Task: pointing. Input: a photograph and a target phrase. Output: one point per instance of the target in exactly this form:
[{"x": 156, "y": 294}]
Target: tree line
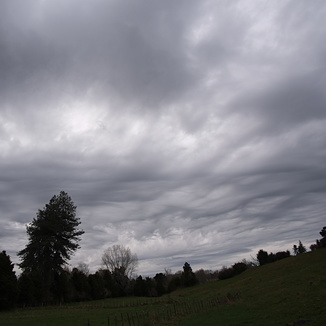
[
  {"x": 77, "y": 284},
  {"x": 53, "y": 237}
]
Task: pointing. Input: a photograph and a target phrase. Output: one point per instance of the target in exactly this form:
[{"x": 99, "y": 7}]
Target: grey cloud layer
[
  {"x": 132, "y": 51},
  {"x": 176, "y": 127}
]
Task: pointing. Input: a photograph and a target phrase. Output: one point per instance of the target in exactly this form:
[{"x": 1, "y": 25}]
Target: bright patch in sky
[{"x": 80, "y": 118}]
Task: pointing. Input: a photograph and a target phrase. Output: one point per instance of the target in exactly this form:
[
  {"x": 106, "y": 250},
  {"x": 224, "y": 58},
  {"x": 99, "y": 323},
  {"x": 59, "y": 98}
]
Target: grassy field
[{"x": 283, "y": 292}]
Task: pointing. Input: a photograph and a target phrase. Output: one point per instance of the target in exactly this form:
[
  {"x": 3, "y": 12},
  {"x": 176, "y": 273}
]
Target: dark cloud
[
  {"x": 291, "y": 102},
  {"x": 135, "y": 52}
]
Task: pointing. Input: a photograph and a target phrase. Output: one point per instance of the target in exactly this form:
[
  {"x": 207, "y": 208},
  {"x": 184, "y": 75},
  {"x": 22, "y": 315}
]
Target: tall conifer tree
[{"x": 53, "y": 237}]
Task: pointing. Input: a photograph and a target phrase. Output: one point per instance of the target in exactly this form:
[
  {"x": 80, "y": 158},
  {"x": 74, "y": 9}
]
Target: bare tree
[{"x": 119, "y": 258}]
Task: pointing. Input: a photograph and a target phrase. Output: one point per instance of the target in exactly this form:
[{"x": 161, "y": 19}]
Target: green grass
[{"x": 274, "y": 294}]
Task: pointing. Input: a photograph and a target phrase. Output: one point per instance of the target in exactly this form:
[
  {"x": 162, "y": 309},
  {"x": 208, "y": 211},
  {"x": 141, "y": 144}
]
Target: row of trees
[
  {"x": 263, "y": 257},
  {"x": 32, "y": 289},
  {"x": 53, "y": 237}
]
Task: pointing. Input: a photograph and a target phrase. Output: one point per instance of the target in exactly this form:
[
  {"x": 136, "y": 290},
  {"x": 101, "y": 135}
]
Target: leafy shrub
[{"x": 225, "y": 273}]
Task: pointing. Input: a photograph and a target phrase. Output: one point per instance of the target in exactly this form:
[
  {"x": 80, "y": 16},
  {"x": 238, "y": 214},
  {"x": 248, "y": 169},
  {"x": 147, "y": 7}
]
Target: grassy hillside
[{"x": 275, "y": 294}]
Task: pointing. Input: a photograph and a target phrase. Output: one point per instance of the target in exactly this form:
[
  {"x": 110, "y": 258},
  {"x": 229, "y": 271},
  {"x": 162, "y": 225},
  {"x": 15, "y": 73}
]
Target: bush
[
  {"x": 239, "y": 267},
  {"x": 225, "y": 273}
]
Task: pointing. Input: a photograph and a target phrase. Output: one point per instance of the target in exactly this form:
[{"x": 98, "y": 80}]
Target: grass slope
[{"x": 275, "y": 294}]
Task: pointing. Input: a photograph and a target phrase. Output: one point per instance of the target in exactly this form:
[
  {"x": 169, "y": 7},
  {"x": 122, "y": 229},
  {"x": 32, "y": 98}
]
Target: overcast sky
[{"x": 187, "y": 130}]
